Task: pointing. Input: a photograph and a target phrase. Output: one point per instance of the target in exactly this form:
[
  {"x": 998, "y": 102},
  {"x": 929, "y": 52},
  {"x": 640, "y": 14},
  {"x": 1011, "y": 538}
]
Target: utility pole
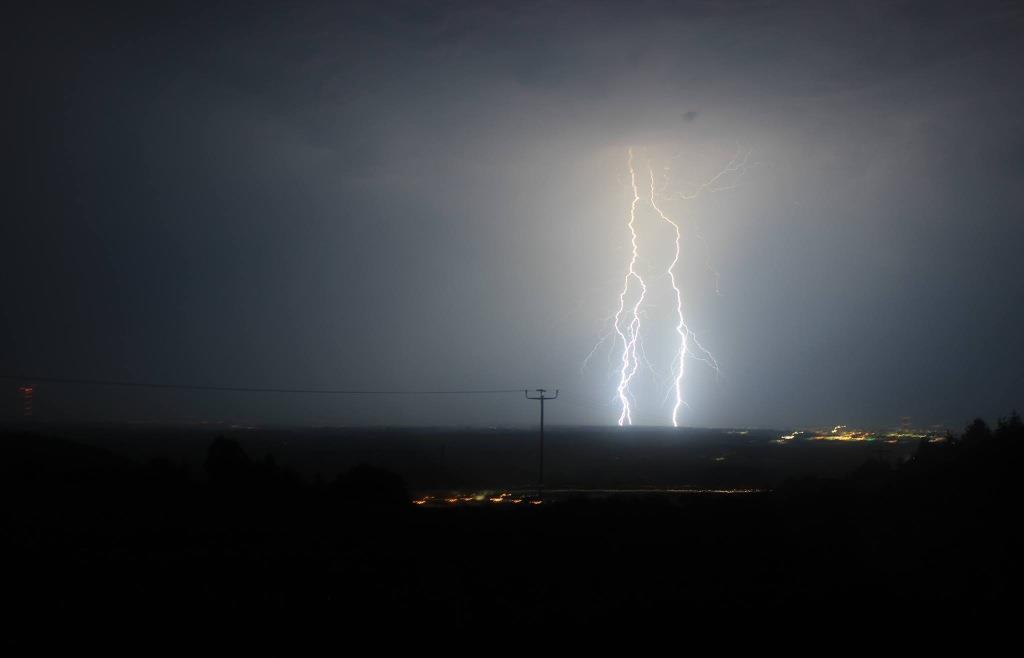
[{"x": 540, "y": 396}]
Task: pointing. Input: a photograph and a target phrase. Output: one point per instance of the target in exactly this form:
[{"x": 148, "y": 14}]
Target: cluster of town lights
[
  {"x": 843, "y": 433},
  {"x": 502, "y": 498}
]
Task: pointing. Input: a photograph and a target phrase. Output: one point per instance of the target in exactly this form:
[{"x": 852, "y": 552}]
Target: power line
[{"x": 247, "y": 389}]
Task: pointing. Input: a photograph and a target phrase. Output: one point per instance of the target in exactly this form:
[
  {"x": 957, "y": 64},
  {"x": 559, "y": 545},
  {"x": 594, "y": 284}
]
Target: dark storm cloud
[{"x": 421, "y": 195}]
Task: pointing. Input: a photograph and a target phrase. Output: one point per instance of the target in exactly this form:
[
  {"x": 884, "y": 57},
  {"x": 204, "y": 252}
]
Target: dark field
[
  {"x": 141, "y": 533},
  {"x": 575, "y": 457}
]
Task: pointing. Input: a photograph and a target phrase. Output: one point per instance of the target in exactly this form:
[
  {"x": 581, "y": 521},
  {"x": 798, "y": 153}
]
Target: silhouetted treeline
[{"x": 133, "y": 549}]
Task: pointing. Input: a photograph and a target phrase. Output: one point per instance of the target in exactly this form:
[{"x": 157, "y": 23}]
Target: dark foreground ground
[{"x": 100, "y": 548}]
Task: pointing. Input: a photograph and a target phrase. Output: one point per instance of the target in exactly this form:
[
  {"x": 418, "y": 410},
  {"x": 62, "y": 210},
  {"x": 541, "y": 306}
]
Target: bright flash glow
[{"x": 626, "y": 322}]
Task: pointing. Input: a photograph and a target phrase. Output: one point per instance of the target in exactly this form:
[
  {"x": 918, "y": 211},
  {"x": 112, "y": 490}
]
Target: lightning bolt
[
  {"x": 626, "y": 322},
  {"x": 600, "y": 341},
  {"x": 678, "y": 366},
  {"x": 631, "y": 332},
  {"x": 738, "y": 165}
]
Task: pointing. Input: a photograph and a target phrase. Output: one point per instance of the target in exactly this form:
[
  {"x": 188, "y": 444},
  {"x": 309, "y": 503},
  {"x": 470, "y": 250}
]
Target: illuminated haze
[{"x": 395, "y": 197}]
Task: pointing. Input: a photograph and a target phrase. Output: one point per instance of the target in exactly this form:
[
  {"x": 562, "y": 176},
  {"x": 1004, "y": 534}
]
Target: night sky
[{"x": 420, "y": 196}]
